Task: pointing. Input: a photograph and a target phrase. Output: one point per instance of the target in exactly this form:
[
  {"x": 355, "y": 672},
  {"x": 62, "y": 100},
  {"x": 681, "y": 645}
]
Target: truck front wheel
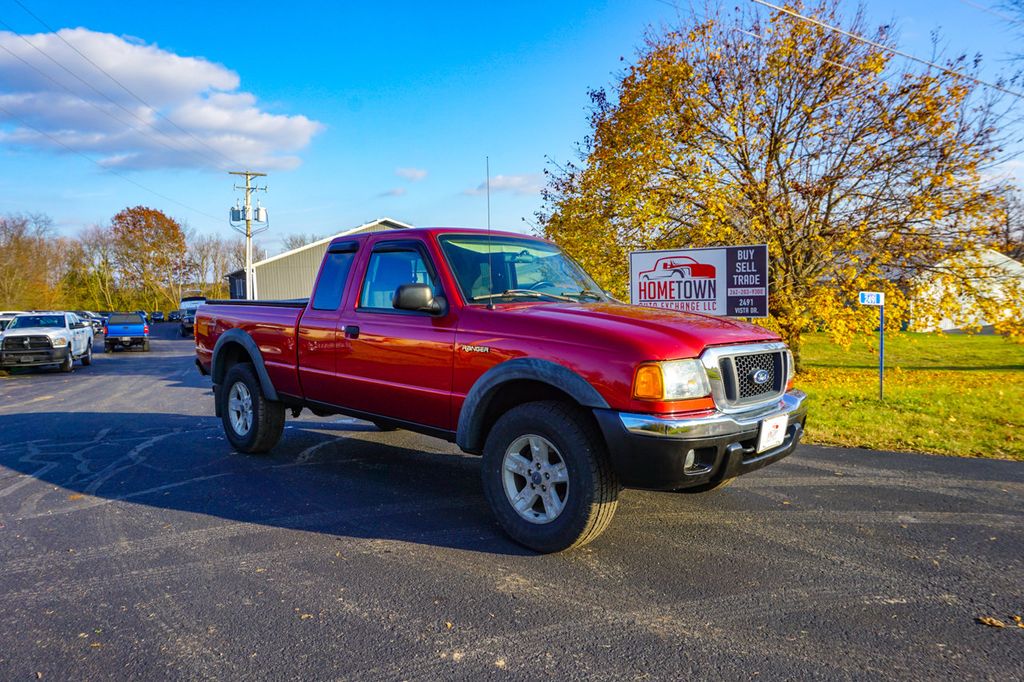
[
  {"x": 547, "y": 478},
  {"x": 252, "y": 423}
]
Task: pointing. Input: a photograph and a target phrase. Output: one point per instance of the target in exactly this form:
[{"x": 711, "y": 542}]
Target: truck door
[
  {"x": 320, "y": 340},
  {"x": 398, "y": 363},
  {"x": 77, "y": 335}
]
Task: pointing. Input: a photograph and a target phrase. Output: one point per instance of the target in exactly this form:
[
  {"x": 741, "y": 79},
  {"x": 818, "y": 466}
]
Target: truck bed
[{"x": 272, "y": 325}]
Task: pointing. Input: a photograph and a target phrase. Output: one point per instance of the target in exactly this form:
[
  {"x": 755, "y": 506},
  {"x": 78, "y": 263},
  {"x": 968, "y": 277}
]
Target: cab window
[
  {"x": 332, "y": 281},
  {"x": 390, "y": 268}
]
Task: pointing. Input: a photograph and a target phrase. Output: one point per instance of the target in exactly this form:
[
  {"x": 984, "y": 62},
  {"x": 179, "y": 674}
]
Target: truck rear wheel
[
  {"x": 252, "y": 423},
  {"x": 547, "y": 478}
]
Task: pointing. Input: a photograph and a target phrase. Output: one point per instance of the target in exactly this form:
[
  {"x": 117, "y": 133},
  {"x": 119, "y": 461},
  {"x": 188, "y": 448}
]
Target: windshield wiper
[
  {"x": 585, "y": 293},
  {"x": 522, "y": 292}
]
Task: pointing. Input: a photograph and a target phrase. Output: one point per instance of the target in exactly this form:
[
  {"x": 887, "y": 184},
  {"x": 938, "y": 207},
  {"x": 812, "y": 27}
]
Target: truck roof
[{"x": 435, "y": 231}]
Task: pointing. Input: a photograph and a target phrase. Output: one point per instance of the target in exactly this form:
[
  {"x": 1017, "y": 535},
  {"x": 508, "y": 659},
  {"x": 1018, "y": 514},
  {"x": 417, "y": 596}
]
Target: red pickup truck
[{"x": 502, "y": 344}]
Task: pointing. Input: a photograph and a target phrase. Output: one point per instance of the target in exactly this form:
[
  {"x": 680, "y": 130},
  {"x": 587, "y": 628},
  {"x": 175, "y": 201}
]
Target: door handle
[{"x": 352, "y": 331}]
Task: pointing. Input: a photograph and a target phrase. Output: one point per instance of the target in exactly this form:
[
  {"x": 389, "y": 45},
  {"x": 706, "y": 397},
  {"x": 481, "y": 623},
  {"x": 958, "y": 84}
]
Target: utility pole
[{"x": 238, "y": 215}]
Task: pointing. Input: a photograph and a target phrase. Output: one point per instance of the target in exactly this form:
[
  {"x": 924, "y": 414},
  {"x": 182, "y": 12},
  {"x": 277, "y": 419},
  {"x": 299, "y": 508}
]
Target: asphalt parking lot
[{"x": 135, "y": 544}]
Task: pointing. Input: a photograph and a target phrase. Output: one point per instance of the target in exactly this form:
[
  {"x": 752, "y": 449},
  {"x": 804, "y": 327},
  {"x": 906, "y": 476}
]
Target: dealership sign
[{"x": 728, "y": 281}]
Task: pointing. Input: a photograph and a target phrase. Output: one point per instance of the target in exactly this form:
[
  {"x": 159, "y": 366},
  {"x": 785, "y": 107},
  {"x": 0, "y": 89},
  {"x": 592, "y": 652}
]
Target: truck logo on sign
[
  {"x": 726, "y": 280},
  {"x": 760, "y": 376}
]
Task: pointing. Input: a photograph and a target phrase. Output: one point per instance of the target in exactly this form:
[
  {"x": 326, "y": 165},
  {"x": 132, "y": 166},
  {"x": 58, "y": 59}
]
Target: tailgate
[{"x": 125, "y": 330}]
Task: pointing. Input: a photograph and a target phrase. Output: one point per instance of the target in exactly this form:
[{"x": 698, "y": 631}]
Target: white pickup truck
[{"x": 50, "y": 338}]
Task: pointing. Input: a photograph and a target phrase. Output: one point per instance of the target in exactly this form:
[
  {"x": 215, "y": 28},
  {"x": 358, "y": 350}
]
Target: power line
[
  {"x": 96, "y": 90},
  {"x": 886, "y": 48},
  {"x": 89, "y": 102},
  {"x": 122, "y": 85},
  {"x": 989, "y": 10},
  {"x": 109, "y": 170}
]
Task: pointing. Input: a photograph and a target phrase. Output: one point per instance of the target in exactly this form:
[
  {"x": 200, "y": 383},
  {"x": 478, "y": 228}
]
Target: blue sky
[{"x": 358, "y": 110}]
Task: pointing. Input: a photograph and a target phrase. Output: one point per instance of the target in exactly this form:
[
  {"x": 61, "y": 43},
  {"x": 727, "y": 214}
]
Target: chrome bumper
[{"x": 717, "y": 424}]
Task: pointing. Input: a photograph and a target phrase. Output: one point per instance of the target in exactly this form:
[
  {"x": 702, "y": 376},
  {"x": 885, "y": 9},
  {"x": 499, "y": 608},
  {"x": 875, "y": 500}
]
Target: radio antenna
[{"x": 490, "y": 260}]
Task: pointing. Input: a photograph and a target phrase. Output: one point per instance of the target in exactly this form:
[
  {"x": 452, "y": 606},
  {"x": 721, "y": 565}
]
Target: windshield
[
  {"x": 507, "y": 268},
  {"x": 29, "y": 321}
]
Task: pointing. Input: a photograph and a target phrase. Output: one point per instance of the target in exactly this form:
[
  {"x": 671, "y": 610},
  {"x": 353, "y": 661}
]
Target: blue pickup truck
[{"x": 125, "y": 330}]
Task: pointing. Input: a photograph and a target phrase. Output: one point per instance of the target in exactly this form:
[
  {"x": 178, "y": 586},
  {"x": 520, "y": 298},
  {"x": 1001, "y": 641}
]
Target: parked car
[
  {"x": 174, "y": 316},
  {"x": 126, "y": 330},
  {"x": 6, "y": 316},
  {"x": 50, "y": 338},
  {"x": 92, "y": 318},
  {"x": 502, "y": 344},
  {"x": 186, "y": 327},
  {"x": 156, "y": 316}
]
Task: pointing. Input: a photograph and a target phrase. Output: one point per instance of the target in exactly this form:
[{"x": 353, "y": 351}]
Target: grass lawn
[{"x": 944, "y": 394}]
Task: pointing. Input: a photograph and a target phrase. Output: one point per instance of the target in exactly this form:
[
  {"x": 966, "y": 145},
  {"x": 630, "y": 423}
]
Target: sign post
[{"x": 877, "y": 298}]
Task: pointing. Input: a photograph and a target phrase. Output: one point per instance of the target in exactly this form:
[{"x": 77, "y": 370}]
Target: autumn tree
[
  {"x": 296, "y": 241},
  {"x": 858, "y": 171},
  {"x": 28, "y": 259},
  {"x": 211, "y": 258},
  {"x": 1010, "y": 234},
  {"x": 237, "y": 247},
  {"x": 149, "y": 252}
]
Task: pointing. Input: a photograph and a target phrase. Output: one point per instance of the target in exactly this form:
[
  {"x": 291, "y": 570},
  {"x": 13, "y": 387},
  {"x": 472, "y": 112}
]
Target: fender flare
[
  {"x": 470, "y": 434},
  {"x": 217, "y": 371}
]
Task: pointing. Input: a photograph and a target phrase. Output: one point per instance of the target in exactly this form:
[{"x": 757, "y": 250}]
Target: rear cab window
[{"x": 330, "y": 288}]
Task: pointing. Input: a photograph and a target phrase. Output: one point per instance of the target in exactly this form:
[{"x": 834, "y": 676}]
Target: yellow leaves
[{"x": 990, "y": 621}]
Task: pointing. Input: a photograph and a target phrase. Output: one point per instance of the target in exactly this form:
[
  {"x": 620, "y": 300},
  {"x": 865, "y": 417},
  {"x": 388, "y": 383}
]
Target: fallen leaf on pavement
[
  {"x": 306, "y": 616},
  {"x": 75, "y": 496},
  {"x": 991, "y": 622}
]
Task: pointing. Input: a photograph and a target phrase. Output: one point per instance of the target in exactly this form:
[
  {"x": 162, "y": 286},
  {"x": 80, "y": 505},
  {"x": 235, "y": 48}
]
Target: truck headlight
[
  {"x": 790, "y": 369},
  {"x": 673, "y": 380},
  {"x": 59, "y": 342}
]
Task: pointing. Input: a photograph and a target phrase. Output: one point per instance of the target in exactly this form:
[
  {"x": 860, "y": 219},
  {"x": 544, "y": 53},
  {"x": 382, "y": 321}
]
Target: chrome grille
[
  {"x": 26, "y": 342},
  {"x": 731, "y": 370},
  {"x": 747, "y": 367}
]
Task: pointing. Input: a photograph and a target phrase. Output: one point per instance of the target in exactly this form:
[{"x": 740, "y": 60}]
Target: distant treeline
[{"x": 142, "y": 260}]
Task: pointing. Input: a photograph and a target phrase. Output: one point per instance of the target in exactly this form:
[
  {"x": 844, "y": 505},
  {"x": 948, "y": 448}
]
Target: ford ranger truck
[{"x": 502, "y": 344}]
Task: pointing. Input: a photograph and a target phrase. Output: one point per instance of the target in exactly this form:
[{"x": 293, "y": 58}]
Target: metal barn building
[{"x": 291, "y": 274}]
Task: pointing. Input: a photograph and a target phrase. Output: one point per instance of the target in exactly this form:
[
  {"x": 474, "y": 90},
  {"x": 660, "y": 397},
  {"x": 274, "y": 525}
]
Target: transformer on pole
[{"x": 238, "y": 215}]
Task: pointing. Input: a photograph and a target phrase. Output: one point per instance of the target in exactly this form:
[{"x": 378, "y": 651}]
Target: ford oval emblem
[{"x": 760, "y": 376}]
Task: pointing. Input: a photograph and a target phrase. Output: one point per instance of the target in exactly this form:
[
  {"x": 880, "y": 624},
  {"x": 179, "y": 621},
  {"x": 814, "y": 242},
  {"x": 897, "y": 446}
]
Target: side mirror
[
  {"x": 78, "y": 325},
  {"x": 419, "y": 298}
]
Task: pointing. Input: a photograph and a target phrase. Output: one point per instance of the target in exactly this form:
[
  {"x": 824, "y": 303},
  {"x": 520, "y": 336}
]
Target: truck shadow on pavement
[{"x": 339, "y": 477}]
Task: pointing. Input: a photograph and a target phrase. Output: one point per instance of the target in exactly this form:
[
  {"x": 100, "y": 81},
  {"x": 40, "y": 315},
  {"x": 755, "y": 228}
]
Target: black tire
[
  {"x": 709, "y": 487},
  {"x": 267, "y": 415},
  {"x": 87, "y": 358},
  {"x": 107, "y": 348},
  {"x": 69, "y": 362},
  {"x": 145, "y": 346},
  {"x": 592, "y": 490}
]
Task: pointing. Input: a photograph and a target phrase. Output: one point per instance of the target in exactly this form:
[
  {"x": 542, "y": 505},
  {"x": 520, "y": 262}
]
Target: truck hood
[
  {"x": 37, "y": 331},
  {"x": 657, "y": 333}
]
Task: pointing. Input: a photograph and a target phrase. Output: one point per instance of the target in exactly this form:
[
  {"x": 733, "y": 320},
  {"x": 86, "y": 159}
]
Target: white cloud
[
  {"x": 214, "y": 124},
  {"x": 529, "y": 183},
  {"x": 396, "y": 192},
  {"x": 411, "y": 174}
]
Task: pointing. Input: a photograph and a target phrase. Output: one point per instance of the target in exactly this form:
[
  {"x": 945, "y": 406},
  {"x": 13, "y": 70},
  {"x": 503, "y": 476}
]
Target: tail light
[
  {"x": 106, "y": 330},
  {"x": 145, "y": 329}
]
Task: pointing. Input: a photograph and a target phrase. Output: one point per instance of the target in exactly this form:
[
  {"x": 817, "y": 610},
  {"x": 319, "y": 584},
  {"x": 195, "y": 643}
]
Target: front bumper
[
  {"x": 34, "y": 357},
  {"x": 647, "y": 451}
]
